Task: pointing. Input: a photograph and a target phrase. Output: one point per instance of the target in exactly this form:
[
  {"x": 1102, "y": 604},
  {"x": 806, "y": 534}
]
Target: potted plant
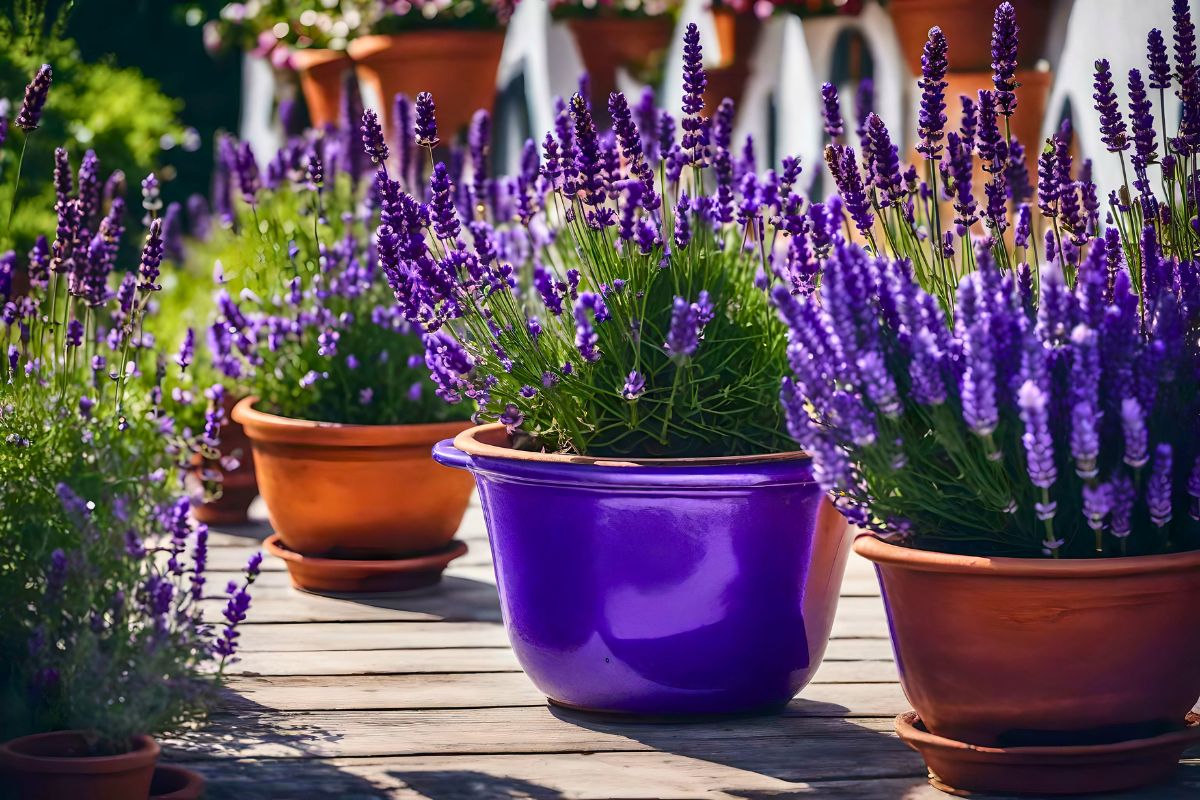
[
  {"x": 660, "y": 547},
  {"x": 1023, "y": 444},
  {"x": 339, "y": 409},
  {"x": 632, "y": 36},
  {"x": 451, "y": 49},
  {"x": 102, "y": 572}
]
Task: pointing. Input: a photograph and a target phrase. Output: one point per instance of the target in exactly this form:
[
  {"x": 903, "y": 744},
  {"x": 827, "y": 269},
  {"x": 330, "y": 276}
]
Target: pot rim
[
  {"x": 145, "y": 751},
  {"x": 308, "y": 57},
  {"x": 471, "y": 443},
  {"x": 375, "y": 45},
  {"x": 881, "y": 553},
  {"x": 262, "y": 426}
]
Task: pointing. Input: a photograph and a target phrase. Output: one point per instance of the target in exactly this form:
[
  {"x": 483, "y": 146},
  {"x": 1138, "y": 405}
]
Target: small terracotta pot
[
  {"x": 737, "y": 36},
  {"x": 51, "y": 765},
  {"x": 457, "y": 67},
  {"x": 355, "y": 491},
  {"x": 968, "y": 28},
  {"x": 176, "y": 783},
  {"x": 239, "y": 487},
  {"x": 606, "y": 44},
  {"x": 1009, "y": 652},
  {"x": 321, "y": 74}
]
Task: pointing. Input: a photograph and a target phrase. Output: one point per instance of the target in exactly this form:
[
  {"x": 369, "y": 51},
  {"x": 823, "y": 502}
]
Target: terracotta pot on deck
[
  {"x": 239, "y": 486},
  {"x": 1020, "y": 654},
  {"x": 606, "y": 44},
  {"x": 348, "y": 493},
  {"x": 55, "y": 765},
  {"x": 968, "y": 28},
  {"x": 458, "y": 67},
  {"x": 176, "y": 783},
  {"x": 737, "y": 36},
  {"x": 321, "y": 74}
]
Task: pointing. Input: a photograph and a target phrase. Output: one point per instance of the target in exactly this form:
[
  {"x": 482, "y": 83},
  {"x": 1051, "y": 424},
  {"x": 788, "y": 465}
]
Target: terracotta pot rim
[
  {"x": 473, "y": 442},
  {"x": 906, "y": 728},
  {"x": 875, "y": 550},
  {"x": 377, "y": 45},
  {"x": 266, "y": 427},
  {"x": 307, "y": 57},
  {"x": 145, "y": 751},
  {"x": 455, "y": 548}
]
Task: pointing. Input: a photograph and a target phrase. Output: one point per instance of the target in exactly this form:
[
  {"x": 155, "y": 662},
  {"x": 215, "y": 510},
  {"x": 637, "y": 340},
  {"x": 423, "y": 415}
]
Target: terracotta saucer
[
  {"x": 362, "y": 576},
  {"x": 176, "y": 783},
  {"x": 960, "y": 769}
]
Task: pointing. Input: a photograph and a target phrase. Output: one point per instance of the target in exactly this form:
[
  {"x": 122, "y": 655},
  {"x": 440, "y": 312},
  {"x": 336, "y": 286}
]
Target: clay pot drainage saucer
[
  {"x": 960, "y": 768},
  {"x": 360, "y": 576}
]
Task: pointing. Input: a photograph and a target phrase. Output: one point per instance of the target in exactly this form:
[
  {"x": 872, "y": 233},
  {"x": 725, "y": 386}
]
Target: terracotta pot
[
  {"x": 355, "y": 491},
  {"x": 1009, "y": 652},
  {"x": 457, "y": 67},
  {"x": 239, "y": 487},
  {"x": 51, "y": 765},
  {"x": 737, "y": 36},
  {"x": 968, "y": 27},
  {"x": 321, "y": 74},
  {"x": 607, "y": 44},
  {"x": 176, "y": 783}
]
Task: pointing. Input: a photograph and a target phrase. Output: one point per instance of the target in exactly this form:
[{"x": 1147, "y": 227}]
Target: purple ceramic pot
[{"x": 659, "y": 587}]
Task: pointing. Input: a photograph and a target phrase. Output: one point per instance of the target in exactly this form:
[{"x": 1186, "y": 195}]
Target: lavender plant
[
  {"x": 303, "y": 318},
  {"x": 611, "y": 299},
  {"x": 969, "y": 394},
  {"x": 101, "y": 569}
]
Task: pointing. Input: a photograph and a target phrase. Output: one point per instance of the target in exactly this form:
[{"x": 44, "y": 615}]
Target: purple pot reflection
[{"x": 661, "y": 586}]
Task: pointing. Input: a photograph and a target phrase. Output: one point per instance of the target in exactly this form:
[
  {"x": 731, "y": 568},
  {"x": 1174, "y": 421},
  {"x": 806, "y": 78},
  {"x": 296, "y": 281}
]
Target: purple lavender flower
[
  {"x": 479, "y": 141},
  {"x": 831, "y": 112},
  {"x": 1141, "y": 119},
  {"x": 843, "y": 164},
  {"x": 1158, "y": 489},
  {"x": 683, "y": 224},
  {"x": 248, "y": 180},
  {"x": 426, "y": 127},
  {"x": 684, "y": 335},
  {"x": 635, "y": 386},
  {"x": 884, "y": 162},
  {"x": 1004, "y": 58},
  {"x": 1133, "y": 424},
  {"x": 1112, "y": 125},
  {"x": 442, "y": 212},
  {"x": 1158, "y": 68},
  {"x": 587, "y": 152},
  {"x": 372, "y": 139},
  {"x": 30, "y": 115},
  {"x": 1039, "y": 445},
  {"x": 1185, "y": 40},
  {"x": 586, "y": 338},
  {"x": 152, "y": 255},
  {"x": 695, "y": 135},
  {"x": 931, "y": 119}
]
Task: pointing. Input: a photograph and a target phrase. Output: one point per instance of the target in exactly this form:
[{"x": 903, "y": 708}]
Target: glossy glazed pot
[
  {"x": 606, "y": 44},
  {"x": 659, "y": 587},
  {"x": 321, "y": 75},
  {"x": 1007, "y": 652},
  {"x": 968, "y": 28},
  {"x": 458, "y": 67},
  {"x": 355, "y": 491},
  {"x": 53, "y": 765},
  {"x": 239, "y": 486}
]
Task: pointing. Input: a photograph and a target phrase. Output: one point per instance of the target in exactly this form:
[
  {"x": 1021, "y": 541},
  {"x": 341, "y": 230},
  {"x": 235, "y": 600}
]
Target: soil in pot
[
  {"x": 725, "y": 609},
  {"x": 1011, "y": 652},
  {"x": 56, "y": 765}
]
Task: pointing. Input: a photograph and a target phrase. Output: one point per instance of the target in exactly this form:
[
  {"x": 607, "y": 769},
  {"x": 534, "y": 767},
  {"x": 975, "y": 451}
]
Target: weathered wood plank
[
  {"x": 478, "y": 660},
  {"x": 576, "y": 776},
  {"x": 495, "y": 690},
  {"x": 810, "y": 746}
]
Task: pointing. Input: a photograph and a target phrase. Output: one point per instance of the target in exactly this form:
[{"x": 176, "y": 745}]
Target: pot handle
[{"x": 444, "y": 452}]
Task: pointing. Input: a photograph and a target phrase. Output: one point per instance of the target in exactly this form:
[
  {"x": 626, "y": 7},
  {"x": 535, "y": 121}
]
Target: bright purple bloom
[
  {"x": 1158, "y": 489},
  {"x": 372, "y": 138},
  {"x": 635, "y": 386},
  {"x": 1004, "y": 58},
  {"x": 426, "y": 127},
  {"x": 30, "y": 115},
  {"x": 831, "y": 112},
  {"x": 931, "y": 118},
  {"x": 1158, "y": 67},
  {"x": 1112, "y": 125},
  {"x": 695, "y": 133}
]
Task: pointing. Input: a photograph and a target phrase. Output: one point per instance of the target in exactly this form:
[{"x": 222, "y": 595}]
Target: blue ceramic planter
[{"x": 659, "y": 587}]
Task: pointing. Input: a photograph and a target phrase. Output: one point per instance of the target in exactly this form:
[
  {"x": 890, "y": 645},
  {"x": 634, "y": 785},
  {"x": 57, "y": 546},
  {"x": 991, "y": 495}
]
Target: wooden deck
[{"x": 420, "y": 697}]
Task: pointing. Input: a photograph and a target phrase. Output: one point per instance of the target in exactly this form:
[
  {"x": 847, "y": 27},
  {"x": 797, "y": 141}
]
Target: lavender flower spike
[
  {"x": 372, "y": 138},
  {"x": 1158, "y": 68},
  {"x": 1004, "y": 58},
  {"x": 152, "y": 255},
  {"x": 1158, "y": 489},
  {"x": 30, "y": 115},
  {"x": 427, "y": 134},
  {"x": 832, "y": 112},
  {"x": 1112, "y": 125},
  {"x": 684, "y": 335},
  {"x": 931, "y": 119},
  {"x": 695, "y": 133},
  {"x": 1039, "y": 445}
]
